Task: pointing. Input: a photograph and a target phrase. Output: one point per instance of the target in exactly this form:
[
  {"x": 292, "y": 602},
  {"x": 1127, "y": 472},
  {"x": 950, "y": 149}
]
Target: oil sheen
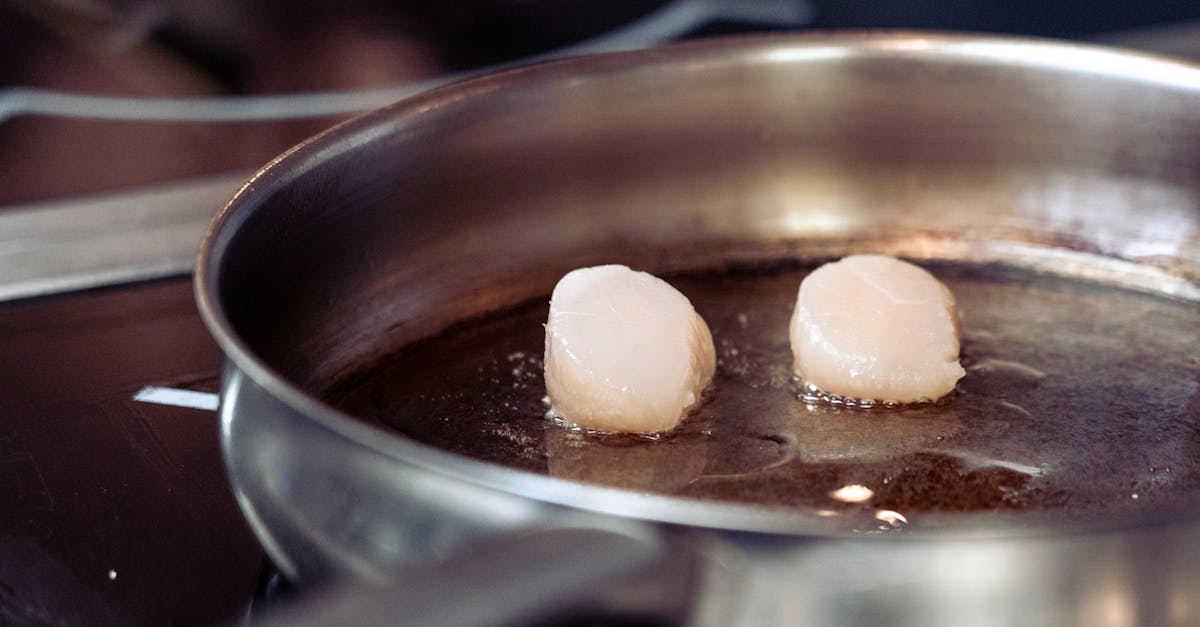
[{"x": 1080, "y": 401}]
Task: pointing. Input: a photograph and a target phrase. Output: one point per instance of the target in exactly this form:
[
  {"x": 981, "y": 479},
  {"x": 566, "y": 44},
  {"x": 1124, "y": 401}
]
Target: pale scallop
[
  {"x": 873, "y": 327},
  {"x": 625, "y": 351}
]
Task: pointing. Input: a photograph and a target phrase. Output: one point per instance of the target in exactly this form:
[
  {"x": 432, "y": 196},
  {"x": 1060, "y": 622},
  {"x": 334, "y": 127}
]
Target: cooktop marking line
[{"x": 177, "y": 397}]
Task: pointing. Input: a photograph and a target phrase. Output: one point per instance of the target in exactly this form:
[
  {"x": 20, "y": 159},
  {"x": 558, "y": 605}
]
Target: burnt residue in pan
[{"x": 1081, "y": 401}]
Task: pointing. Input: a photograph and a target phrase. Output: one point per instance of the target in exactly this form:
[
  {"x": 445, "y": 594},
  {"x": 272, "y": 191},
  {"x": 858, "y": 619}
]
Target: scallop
[
  {"x": 625, "y": 351},
  {"x": 872, "y": 327}
]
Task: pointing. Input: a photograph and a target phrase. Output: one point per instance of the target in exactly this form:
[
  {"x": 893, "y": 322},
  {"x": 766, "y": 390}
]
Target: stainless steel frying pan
[{"x": 1062, "y": 159}]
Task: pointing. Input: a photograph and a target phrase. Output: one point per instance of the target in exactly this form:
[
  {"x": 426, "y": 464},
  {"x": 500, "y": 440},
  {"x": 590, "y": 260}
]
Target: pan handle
[{"x": 543, "y": 576}]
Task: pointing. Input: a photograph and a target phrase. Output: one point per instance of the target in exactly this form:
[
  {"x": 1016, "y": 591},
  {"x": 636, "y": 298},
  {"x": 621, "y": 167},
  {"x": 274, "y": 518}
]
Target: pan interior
[{"x": 1081, "y": 402}]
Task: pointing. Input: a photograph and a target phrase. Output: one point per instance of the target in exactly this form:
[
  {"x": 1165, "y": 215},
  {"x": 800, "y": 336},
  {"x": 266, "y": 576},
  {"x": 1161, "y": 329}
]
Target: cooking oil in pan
[{"x": 1080, "y": 401}]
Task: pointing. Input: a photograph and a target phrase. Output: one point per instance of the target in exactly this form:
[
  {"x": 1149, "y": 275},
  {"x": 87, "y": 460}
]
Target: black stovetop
[{"x": 114, "y": 511}]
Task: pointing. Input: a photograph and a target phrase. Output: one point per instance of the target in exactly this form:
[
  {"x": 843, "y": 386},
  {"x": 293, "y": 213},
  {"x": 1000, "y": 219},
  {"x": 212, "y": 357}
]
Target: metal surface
[
  {"x": 1065, "y": 159},
  {"x": 528, "y": 578},
  {"x": 147, "y": 233}
]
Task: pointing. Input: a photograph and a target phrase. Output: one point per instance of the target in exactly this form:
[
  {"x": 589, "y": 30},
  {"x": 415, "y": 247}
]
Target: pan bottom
[{"x": 1081, "y": 401}]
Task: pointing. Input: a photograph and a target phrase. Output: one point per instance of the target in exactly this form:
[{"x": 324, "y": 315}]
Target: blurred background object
[{"x": 134, "y": 49}]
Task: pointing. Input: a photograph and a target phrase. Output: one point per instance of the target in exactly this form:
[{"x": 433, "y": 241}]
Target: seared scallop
[
  {"x": 625, "y": 351},
  {"x": 875, "y": 328}
]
